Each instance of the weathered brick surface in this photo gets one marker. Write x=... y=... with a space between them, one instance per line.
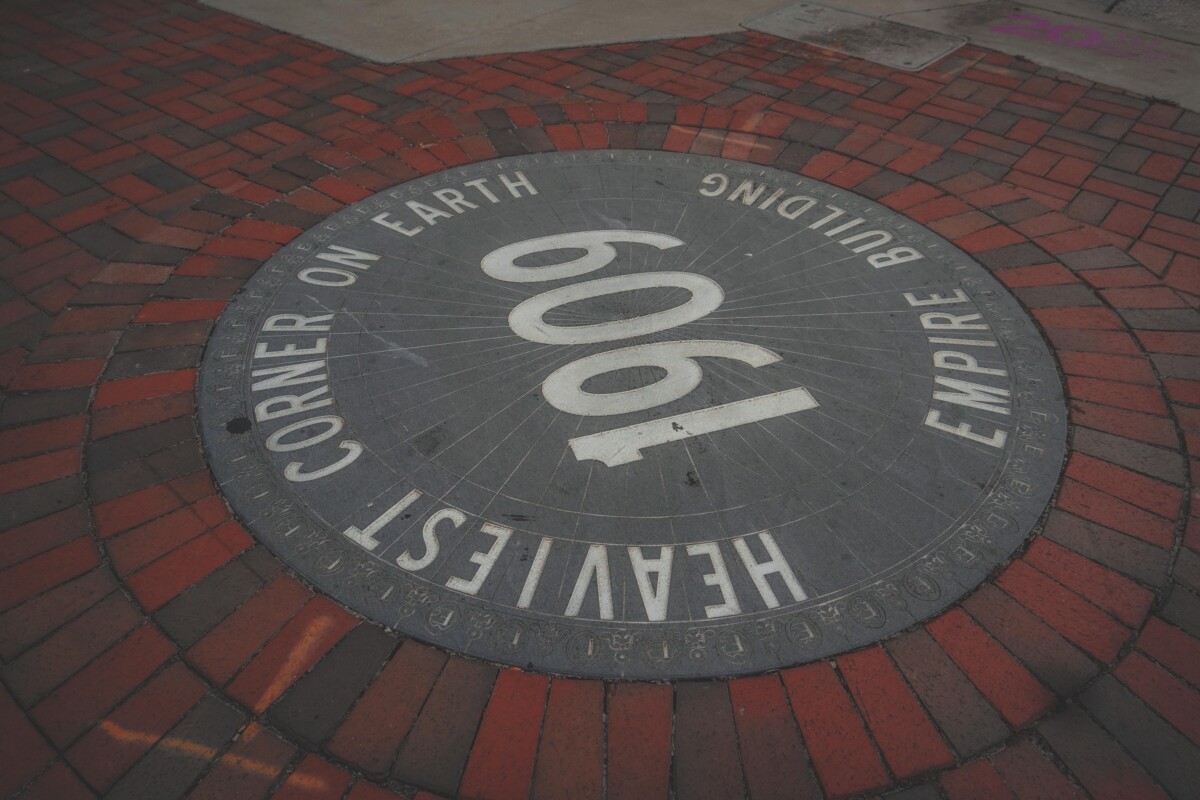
x=156 y=154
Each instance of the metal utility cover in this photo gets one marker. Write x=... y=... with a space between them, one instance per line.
x=632 y=414
x=889 y=43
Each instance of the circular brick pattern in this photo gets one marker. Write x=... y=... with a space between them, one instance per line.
x=140 y=205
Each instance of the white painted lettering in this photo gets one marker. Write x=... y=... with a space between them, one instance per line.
x=595 y=568
x=263 y=350
x=485 y=560
x=654 y=594
x=514 y=184
x=935 y=299
x=973 y=395
x=718 y=184
x=366 y=536
x=454 y=200
x=934 y=420
x=535 y=572
x=288 y=375
x=775 y=564
x=289 y=404
x=429 y=538
x=382 y=219
x=348 y=257
x=298 y=322
x=941 y=321
x=427 y=213
x=719 y=578
x=480 y=185
x=890 y=258
x=294 y=471
x=961 y=362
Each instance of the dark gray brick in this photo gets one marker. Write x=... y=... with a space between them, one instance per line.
x=168 y=771
x=1133 y=557
x=962 y=713
x=1067 y=296
x=1162 y=750
x=198 y=610
x=315 y=705
x=1050 y=657
x=1163 y=319
x=1097 y=258
x=1158 y=462
x=1096 y=760
x=1183 y=609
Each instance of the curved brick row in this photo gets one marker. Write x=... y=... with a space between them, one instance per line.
x=152 y=157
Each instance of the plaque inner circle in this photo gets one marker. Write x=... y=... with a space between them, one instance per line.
x=632 y=414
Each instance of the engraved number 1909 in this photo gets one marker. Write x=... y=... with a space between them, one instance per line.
x=563 y=389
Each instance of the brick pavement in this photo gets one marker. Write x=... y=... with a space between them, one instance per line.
x=153 y=155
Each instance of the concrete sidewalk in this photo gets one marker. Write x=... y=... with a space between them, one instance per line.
x=154 y=155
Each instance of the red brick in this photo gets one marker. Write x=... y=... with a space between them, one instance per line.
x=1153 y=495
x=63 y=375
x=1119 y=395
x=977 y=781
x=501 y=763
x=32 y=538
x=179 y=310
x=436 y=750
x=1158 y=297
x=143 y=544
x=26 y=230
x=314 y=779
x=570 y=757
x=369 y=791
x=101 y=318
x=1031 y=775
x=125 y=735
x=57 y=783
x=1108 y=590
x=903 y=731
x=1122 y=422
x=1102 y=507
x=993 y=238
x=36 y=470
x=1085 y=317
x=639 y=740
x=1077 y=620
x=25 y=751
x=248 y=769
x=70 y=648
x=300 y=644
x=1010 y=687
x=773 y=756
x=131 y=416
x=1187 y=344
x=1119 y=276
x=162 y=580
x=80 y=702
x=707 y=764
x=1036 y=275
x=372 y=732
x=842 y=753
x=1172 y=648
x=41 y=437
x=1173 y=699
x=133 y=509
x=264 y=231
x=222 y=652
x=45 y=571
x=141 y=387
x=1113 y=368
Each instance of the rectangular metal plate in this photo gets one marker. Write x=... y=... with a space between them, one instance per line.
x=889 y=43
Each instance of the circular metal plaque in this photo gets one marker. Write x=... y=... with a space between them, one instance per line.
x=632 y=414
